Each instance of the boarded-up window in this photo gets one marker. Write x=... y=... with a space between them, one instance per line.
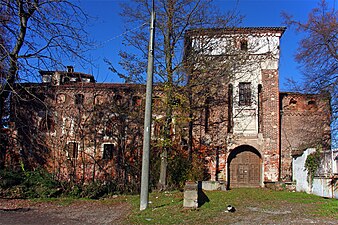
x=245 y=94
x=72 y=149
x=108 y=151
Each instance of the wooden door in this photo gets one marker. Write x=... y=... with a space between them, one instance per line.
x=245 y=170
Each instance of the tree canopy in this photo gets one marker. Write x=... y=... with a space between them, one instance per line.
x=173 y=19
x=318 y=52
x=36 y=35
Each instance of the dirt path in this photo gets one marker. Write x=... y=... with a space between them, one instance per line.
x=26 y=212
x=23 y=212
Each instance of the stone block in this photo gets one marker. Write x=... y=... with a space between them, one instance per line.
x=190 y=195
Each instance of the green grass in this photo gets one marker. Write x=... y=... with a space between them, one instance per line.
x=264 y=205
x=167 y=208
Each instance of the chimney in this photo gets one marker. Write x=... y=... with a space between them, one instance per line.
x=70 y=69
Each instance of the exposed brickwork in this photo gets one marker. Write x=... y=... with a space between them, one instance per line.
x=304 y=123
x=104 y=122
x=270 y=121
x=88 y=130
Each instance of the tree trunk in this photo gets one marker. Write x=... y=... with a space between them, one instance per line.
x=169 y=92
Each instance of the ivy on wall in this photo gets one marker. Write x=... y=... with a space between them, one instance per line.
x=312 y=164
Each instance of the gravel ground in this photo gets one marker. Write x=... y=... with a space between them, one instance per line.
x=25 y=212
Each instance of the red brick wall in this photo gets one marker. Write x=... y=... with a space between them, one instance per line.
x=305 y=122
x=270 y=123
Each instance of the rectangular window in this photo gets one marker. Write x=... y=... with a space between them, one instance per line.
x=79 y=99
x=108 y=151
x=245 y=94
x=72 y=149
x=244 y=45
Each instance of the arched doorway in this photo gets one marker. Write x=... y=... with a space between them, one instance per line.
x=244 y=167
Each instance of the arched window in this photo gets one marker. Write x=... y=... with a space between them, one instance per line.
x=312 y=104
x=293 y=102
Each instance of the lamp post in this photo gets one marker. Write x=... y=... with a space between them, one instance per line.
x=144 y=196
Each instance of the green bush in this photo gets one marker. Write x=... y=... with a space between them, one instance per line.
x=96 y=190
x=28 y=184
x=41 y=184
x=9 y=178
x=312 y=164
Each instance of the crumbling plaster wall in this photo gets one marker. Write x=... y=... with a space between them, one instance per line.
x=305 y=123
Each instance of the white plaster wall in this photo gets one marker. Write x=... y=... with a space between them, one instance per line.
x=322 y=187
x=257 y=44
x=300 y=173
x=264 y=44
x=335 y=161
x=245 y=117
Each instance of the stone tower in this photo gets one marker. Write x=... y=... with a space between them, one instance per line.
x=241 y=129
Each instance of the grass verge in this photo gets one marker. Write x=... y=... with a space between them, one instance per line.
x=253 y=206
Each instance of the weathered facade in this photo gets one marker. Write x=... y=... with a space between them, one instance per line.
x=237 y=119
x=80 y=130
x=250 y=128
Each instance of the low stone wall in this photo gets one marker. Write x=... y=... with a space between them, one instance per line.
x=325 y=187
x=279 y=186
x=213 y=185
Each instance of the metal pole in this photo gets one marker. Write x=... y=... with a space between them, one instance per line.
x=144 y=196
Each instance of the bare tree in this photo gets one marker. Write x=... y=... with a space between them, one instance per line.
x=318 y=52
x=42 y=34
x=173 y=19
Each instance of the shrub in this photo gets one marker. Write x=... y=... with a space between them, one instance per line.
x=9 y=178
x=312 y=164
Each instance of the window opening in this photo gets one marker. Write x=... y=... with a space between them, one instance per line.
x=136 y=101
x=79 y=99
x=245 y=94
x=72 y=148
x=108 y=151
x=311 y=103
x=244 y=45
x=260 y=108
x=293 y=102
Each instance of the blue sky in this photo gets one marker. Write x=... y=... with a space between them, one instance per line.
x=107 y=29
